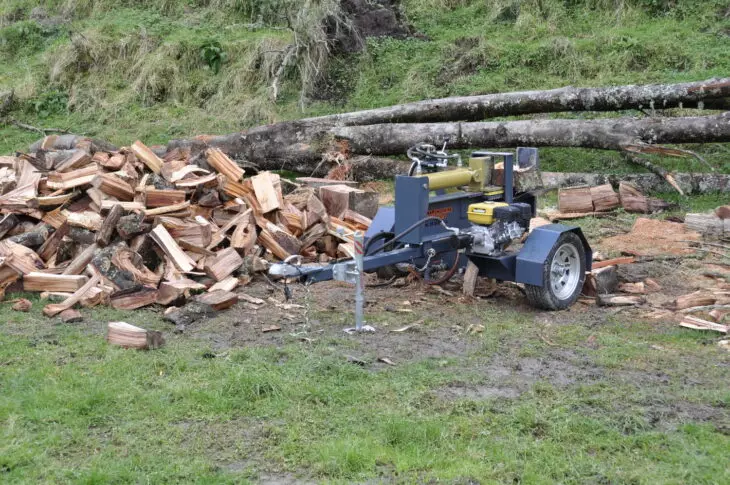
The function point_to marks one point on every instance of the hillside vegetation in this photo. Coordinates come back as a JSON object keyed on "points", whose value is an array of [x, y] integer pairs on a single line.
{"points": [[163, 69]]}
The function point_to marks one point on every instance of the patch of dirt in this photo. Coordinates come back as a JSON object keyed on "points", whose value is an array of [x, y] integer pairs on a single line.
{"points": [[379, 18]]}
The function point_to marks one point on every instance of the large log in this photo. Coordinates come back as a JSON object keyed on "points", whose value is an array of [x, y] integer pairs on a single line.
{"points": [[297, 145]]}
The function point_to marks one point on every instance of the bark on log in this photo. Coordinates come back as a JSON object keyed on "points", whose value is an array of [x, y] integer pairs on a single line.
{"points": [[709, 94], [298, 145]]}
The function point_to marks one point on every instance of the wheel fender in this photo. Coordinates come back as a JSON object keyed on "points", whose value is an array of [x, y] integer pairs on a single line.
{"points": [[534, 253]]}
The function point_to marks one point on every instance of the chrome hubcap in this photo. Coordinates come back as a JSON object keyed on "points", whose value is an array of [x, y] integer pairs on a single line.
{"points": [[565, 271]]}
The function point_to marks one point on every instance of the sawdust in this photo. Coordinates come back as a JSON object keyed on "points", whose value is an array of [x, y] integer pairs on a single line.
{"points": [[651, 237]]}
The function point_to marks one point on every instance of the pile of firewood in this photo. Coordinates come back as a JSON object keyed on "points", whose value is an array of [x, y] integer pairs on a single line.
{"points": [[132, 228]]}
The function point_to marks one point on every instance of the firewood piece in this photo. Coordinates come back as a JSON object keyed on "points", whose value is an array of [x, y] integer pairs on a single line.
{"points": [[71, 316], [601, 281], [218, 300], [181, 260], [201, 181], [119, 278], [575, 199], [357, 219], [104, 236], [209, 199], [620, 300], [79, 263], [291, 218], [226, 284], [718, 315], [191, 312], [197, 233], [8, 222], [163, 198], [698, 298], [147, 156], [723, 212], [77, 159], [174, 291], [115, 162], [132, 337], [32, 239], [131, 226], [612, 262], [632, 200], [107, 205], [23, 260], [336, 199], [127, 260], [470, 279], [52, 200], [86, 219], [278, 241], [133, 298], [633, 288], [265, 190], [244, 235], [700, 324], [96, 296], [224, 165], [74, 178], [224, 263], [50, 246], [220, 235], [114, 186], [346, 250], [54, 309], [22, 305], [150, 214], [313, 234], [53, 282], [604, 198]]}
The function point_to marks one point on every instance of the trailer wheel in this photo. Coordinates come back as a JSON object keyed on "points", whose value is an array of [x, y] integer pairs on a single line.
{"points": [[563, 275]]}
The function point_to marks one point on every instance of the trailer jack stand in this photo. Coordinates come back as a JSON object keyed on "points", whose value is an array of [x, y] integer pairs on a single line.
{"points": [[352, 272]]}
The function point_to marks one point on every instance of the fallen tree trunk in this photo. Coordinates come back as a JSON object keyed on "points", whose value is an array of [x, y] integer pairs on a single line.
{"points": [[299, 145], [709, 94]]}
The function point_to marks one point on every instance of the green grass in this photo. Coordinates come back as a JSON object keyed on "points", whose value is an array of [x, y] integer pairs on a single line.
{"points": [[74, 409]]}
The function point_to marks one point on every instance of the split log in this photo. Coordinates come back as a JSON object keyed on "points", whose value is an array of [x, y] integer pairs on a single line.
{"points": [[700, 324], [127, 260], [76, 159], [265, 190], [107, 205], [575, 199], [162, 198], [23, 260], [8, 222], [104, 235], [53, 282], [114, 186], [227, 284], [698, 298], [620, 300], [147, 156], [633, 288], [74, 178], [171, 292], [79, 263], [133, 298], [224, 165], [218, 300], [614, 261], [54, 309], [71, 316], [225, 262], [601, 281], [338, 199], [132, 337], [131, 226], [470, 279], [50, 246], [173, 251]]}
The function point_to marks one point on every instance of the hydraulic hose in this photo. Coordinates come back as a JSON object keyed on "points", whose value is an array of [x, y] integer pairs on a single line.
{"points": [[448, 275], [411, 228]]}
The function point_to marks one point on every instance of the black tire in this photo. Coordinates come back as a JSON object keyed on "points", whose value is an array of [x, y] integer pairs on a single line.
{"points": [[546, 296]]}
